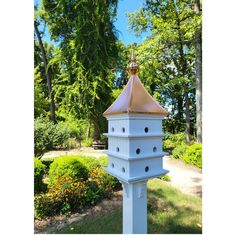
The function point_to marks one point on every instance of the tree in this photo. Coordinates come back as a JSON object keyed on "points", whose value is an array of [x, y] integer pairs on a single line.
{"points": [[87, 52], [198, 66], [172, 24], [47, 73]]}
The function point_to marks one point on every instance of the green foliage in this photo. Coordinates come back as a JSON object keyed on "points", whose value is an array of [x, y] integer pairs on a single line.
{"points": [[86, 54], [103, 161], [64, 196], [47, 162], [179, 150], [165, 178], [48, 136], [193, 155], [67, 166], [173, 140], [168, 55], [39, 171], [41, 102], [70, 143], [87, 142], [190, 154], [68, 191]]}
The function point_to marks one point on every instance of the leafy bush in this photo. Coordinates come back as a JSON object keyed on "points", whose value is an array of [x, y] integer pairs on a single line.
{"points": [[49, 136], [173, 140], [67, 166], [39, 171], [193, 155], [190, 154], [46, 205], [103, 161], [47, 162], [71, 143], [68, 192], [87, 142], [165, 178], [179, 150]]}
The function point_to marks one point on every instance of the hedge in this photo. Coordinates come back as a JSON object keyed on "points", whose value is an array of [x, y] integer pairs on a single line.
{"points": [[190, 154], [68, 166], [39, 171]]}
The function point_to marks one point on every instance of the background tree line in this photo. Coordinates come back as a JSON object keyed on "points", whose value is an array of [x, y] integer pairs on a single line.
{"points": [[80, 75]]}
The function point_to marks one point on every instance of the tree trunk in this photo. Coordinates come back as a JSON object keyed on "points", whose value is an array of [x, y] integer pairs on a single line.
{"points": [[187, 113], [180, 112], [49, 83], [198, 67], [88, 131], [96, 132]]}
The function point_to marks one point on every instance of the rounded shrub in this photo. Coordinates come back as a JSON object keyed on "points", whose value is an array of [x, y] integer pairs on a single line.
{"points": [[67, 166], [39, 171], [89, 162], [193, 155]]}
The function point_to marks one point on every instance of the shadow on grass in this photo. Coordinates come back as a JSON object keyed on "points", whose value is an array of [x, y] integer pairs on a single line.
{"points": [[165, 216]]}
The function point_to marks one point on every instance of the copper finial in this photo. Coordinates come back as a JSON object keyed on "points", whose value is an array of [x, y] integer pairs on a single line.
{"points": [[133, 68]]}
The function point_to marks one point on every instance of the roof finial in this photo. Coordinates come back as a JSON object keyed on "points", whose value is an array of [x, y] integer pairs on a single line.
{"points": [[133, 68]]}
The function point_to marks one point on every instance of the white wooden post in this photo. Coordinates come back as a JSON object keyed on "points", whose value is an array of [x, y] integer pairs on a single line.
{"points": [[135, 208]]}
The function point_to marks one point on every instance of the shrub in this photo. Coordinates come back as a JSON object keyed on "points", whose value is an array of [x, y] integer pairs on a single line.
{"points": [[64, 196], [68, 192], [89, 162], [179, 151], [47, 162], [67, 166], [39, 171], [103, 161], [173, 140], [46, 205], [105, 182], [70, 143], [193, 155], [87, 142], [165, 178], [49, 136]]}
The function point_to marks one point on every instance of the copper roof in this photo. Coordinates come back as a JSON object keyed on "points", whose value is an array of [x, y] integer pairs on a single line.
{"points": [[135, 99]]}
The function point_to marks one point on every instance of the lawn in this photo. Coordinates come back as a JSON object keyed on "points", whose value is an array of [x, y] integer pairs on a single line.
{"points": [[169, 211]]}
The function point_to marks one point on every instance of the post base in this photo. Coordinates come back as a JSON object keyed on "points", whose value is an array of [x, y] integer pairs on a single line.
{"points": [[135, 207]]}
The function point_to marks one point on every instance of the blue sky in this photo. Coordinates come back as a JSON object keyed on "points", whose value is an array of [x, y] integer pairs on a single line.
{"points": [[125, 35], [121, 24]]}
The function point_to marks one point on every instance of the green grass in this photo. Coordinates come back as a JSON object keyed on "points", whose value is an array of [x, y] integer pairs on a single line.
{"points": [[169, 211]]}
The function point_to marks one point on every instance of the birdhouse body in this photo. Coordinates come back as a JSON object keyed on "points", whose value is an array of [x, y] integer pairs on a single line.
{"points": [[135, 146]]}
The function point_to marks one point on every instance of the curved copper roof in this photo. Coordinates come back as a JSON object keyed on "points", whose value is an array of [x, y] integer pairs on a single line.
{"points": [[135, 99]]}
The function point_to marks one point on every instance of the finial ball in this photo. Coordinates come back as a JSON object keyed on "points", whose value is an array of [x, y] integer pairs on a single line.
{"points": [[133, 68]]}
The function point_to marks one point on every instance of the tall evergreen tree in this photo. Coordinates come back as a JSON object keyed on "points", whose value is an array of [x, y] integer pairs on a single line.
{"points": [[87, 52]]}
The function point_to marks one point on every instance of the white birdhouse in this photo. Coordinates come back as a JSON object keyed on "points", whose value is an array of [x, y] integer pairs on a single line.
{"points": [[135, 147]]}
